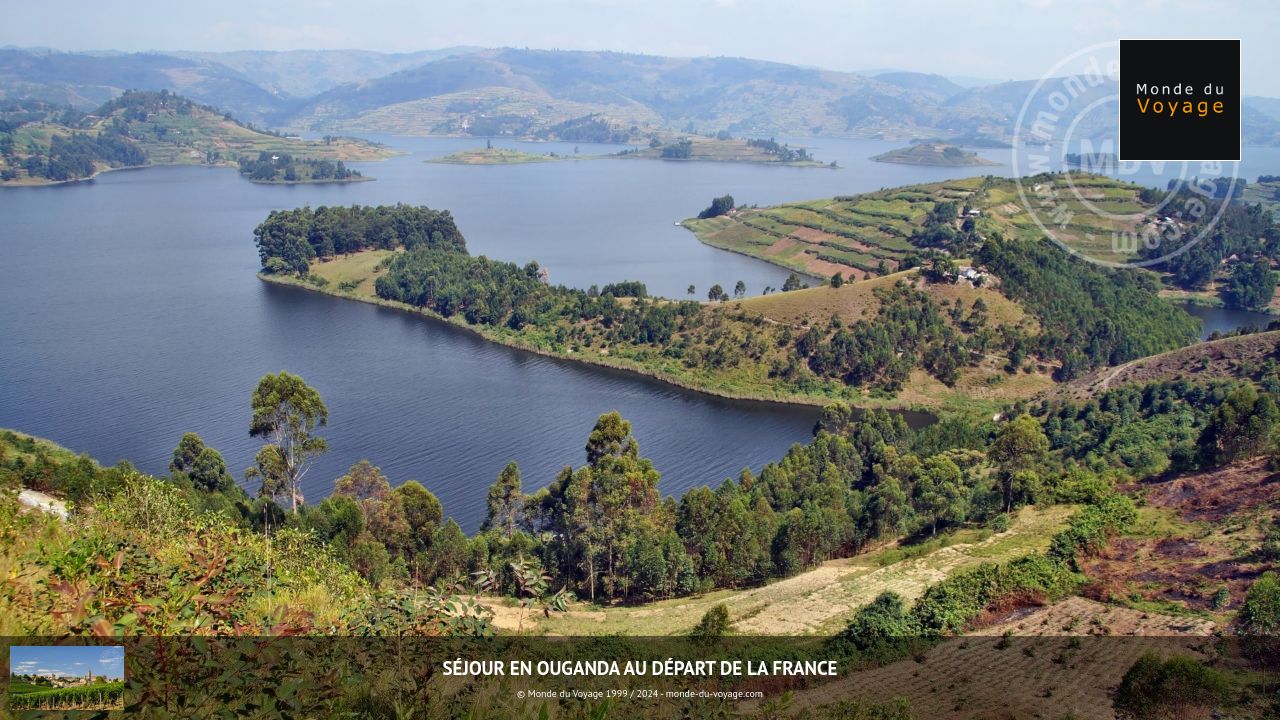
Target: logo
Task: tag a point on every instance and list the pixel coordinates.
(1067, 135)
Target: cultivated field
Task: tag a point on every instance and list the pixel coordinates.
(861, 234)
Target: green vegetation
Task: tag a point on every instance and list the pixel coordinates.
(42, 143)
(719, 206)
(273, 168)
(926, 153)
(724, 148)
(97, 696)
(498, 156)
(1236, 250)
(288, 240)
(1091, 162)
(1179, 686)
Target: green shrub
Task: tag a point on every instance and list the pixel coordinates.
(1173, 688)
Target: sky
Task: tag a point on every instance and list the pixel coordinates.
(993, 39)
(67, 660)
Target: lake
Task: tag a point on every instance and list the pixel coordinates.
(130, 314)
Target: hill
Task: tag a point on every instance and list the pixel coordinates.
(303, 73)
(1242, 356)
(86, 81)
(42, 143)
(856, 234)
(526, 93)
(930, 153)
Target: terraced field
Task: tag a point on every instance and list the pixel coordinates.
(864, 235)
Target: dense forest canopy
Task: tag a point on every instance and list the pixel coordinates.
(290, 239)
(282, 167)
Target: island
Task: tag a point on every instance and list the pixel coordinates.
(491, 155)
(1093, 161)
(284, 169)
(930, 153)
(44, 143)
(724, 148)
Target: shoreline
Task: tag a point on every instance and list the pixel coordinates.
(362, 178)
(605, 361)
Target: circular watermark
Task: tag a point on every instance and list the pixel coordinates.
(1074, 109)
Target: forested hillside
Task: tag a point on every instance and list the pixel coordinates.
(41, 142)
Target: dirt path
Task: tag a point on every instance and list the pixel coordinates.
(37, 500)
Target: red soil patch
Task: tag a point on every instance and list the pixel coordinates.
(1189, 570)
(1214, 495)
(811, 235)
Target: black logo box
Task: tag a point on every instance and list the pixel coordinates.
(1186, 65)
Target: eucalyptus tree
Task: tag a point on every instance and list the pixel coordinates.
(286, 412)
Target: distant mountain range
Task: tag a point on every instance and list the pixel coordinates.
(530, 93)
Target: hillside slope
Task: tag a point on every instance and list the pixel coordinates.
(42, 143)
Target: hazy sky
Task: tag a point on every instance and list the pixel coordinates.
(999, 39)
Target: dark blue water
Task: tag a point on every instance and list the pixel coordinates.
(130, 313)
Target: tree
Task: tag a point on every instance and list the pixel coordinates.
(209, 471)
(287, 412)
(1251, 285)
(363, 482)
(384, 514)
(717, 293)
(837, 279)
(1258, 621)
(185, 454)
(693, 290)
(940, 491)
(505, 501)
(1242, 425)
(1019, 445)
(719, 206)
(793, 282)
(601, 511)
(739, 289)
(422, 510)
(713, 625)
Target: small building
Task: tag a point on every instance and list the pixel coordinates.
(973, 213)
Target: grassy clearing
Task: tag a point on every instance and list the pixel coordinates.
(821, 600)
(357, 271)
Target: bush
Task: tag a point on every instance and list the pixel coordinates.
(713, 625)
(1090, 528)
(1173, 688)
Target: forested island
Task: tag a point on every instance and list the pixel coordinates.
(42, 143)
(490, 155)
(929, 153)
(1092, 162)
(271, 167)
(723, 147)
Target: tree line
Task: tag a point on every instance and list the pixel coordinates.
(280, 167)
(288, 240)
